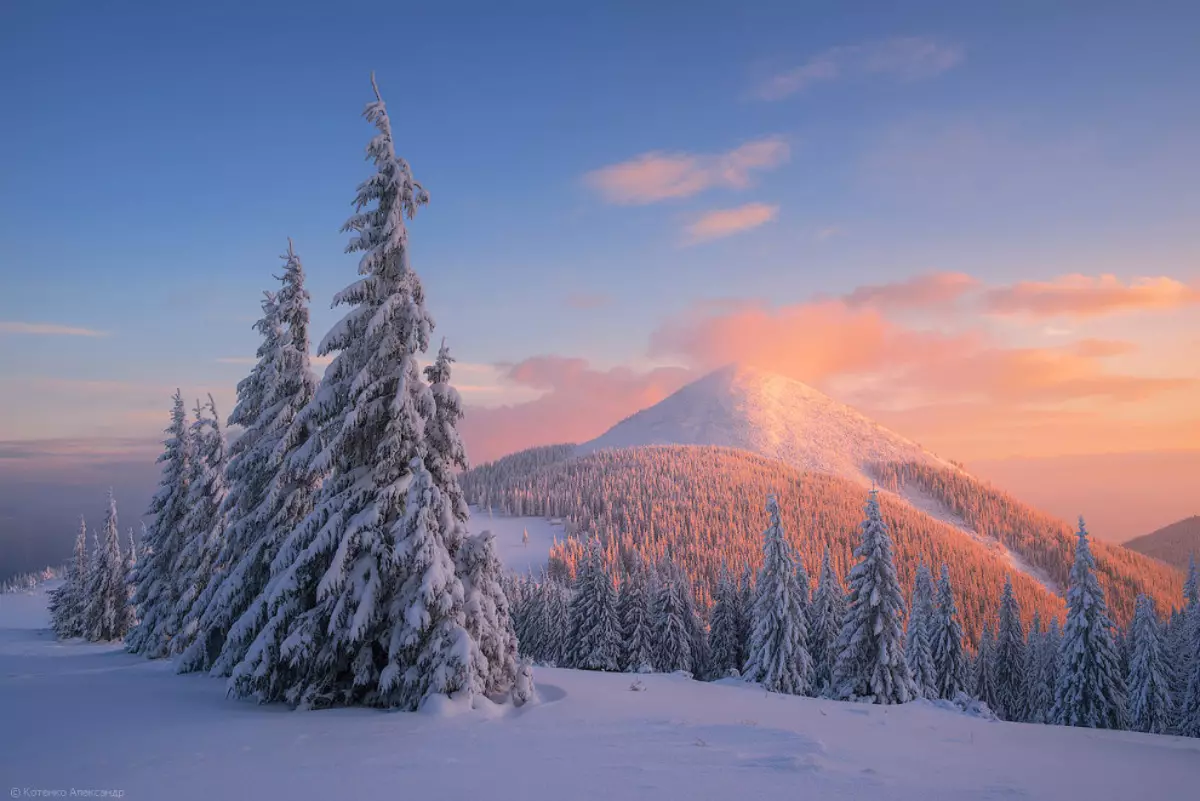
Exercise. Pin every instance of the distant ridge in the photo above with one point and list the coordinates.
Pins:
(1171, 544)
(774, 416)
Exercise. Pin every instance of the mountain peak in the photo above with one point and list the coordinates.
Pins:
(745, 407)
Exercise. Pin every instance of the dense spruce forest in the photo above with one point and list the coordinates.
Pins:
(1041, 539)
(700, 506)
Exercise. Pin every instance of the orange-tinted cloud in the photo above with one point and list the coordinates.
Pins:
(580, 403)
(1086, 296)
(961, 388)
(656, 176)
(727, 222)
(921, 291)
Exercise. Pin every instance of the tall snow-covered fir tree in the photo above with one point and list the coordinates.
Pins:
(671, 638)
(985, 669)
(157, 587)
(1034, 643)
(107, 616)
(1011, 689)
(693, 626)
(595, 639)
(1090, 690)
(267, 496)
(204, 523)
(827, 614)
(1150, 703)
(557, 622)
(633, 611)
(918, 641)
(870, 663)
(949, 658)
(1043, 682)
(68, 601)
(487, 614)
(724, 648)
(779, 657)
(130, 564)
(366, 604)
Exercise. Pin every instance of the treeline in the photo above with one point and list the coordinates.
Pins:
(1041, 539)
(692, 504)
(93, 602)
(865, 642)
(23, 582)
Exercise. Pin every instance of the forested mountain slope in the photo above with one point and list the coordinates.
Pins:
(703, 506)
(1042, 540)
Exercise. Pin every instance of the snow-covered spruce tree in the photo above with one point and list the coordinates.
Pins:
(263, 515)
(1188, 713)
(671, 641)
(870, 664)
(779, 657)
(693, 625)
(595, 639)
(745, 589)
(1042, 684)
(204, 523)
(1011, 690)
(68, 601)
(366, 605)
(1149, 693)
(278, 386)
(949, 658)
(984, 677)
(1033, 656)
(724, 648)
(1091, 690)
(826, 616)
(558, 622)
(487, 614)
(633, 611)
(130, 564)
(156, 584)
(107, 608)
(918, 642)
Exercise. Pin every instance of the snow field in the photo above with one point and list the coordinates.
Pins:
(92, 716)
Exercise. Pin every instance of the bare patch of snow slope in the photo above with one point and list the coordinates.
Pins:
(520, 558)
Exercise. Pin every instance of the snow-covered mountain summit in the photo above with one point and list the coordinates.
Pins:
(747, 408)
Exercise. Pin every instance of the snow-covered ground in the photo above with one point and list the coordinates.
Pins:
(508, 530)
(95, 718)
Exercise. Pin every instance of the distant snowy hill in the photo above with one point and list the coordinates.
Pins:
(771, 415)
(83, 719)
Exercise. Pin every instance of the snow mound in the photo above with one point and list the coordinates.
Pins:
(768, 414)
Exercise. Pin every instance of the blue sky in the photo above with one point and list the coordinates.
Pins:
(155, 160)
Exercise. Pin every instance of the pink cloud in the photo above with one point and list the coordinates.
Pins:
(47, 329)
(921, 291)
(579, 403)
(656, 176)
(727, 222)
(1087, 296)
(906, 58)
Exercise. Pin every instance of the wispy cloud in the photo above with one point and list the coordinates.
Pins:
(727, 222)
(928, 290)
(656, 176)
(1090, 296)
(47, 329)
(905, 58)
